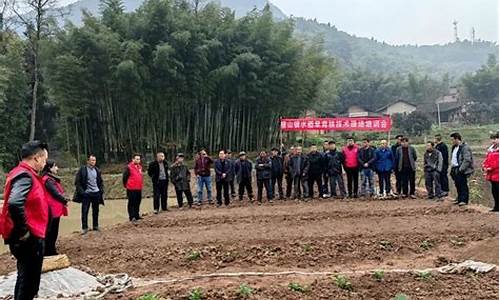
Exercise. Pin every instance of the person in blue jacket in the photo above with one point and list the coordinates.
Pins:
(384, 162)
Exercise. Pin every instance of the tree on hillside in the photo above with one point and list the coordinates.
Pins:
(34, 16)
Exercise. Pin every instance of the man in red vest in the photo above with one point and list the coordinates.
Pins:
(133, 182)
(24, 218)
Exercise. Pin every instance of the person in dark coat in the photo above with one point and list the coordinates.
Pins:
(384, 165)
(315, 173)
(397, 174)
(443, 176)
(406, 158)
(58, 205)
(243, 171)
(433, 166)
(24, 218)
(181, 179)
(326, 181)
(334, 162)
(222, 168)
(298, 168)
(158, 171)
(277, 169)
(288, 175)
(89, 192)
(231, 175)
(462, 167)
(263, 173)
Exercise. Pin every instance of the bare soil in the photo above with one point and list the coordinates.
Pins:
(320, 235)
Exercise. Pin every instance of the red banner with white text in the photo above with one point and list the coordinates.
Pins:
(337, 124)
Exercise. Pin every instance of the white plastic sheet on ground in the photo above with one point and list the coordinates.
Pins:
(66, 282)
(468, 265)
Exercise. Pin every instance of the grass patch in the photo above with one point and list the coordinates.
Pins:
(307, 248)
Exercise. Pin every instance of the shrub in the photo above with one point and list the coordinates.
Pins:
(378, 275)
(196, 294)
(244, 291)
(297, 287)
(343, 282)
(400, 296)
(194, 255)
(148, 297)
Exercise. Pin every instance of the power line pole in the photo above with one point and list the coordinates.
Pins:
(455, 28)
(473, 35)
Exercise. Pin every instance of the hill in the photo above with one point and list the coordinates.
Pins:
(352, 52)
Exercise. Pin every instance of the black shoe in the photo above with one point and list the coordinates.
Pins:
(494, 210)
(96, 229)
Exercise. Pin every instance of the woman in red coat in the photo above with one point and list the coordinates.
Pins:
(57, 205)
(490, 168)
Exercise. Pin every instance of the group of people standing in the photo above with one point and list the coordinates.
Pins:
(34, 199)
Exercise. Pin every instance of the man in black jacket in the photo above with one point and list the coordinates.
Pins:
(89, 191)
(366, 157)
(276, 173)
(334, 163)
(443, 177)
(158, 171)
(298, 168)
(263, 174)
(316, 168)
(243, 173)
(222, 168)
(397, 174)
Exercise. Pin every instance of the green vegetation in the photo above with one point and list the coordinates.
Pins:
(426, 245)
(149, 297)
(400, 296)
(343, 282)
(194, 255)
(244, 291)
(297, 287)
(307, 248)
(424, 275)
(196, 294)
(378, 275)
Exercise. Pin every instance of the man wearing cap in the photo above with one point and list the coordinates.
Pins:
(181, 179)
(243, 172)
(299, 168)
(158, 172)
(25, 216)
(276, 173)
(202, 171)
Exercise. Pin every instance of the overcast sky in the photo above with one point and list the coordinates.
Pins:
(402, 21)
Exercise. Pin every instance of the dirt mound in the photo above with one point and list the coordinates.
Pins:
(321, 235)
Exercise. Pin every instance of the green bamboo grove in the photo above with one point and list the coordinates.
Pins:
(170, 74)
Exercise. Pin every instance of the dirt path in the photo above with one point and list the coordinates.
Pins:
(319, 235)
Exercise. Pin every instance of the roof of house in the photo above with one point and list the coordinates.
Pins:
(443, 107)
(392, 103)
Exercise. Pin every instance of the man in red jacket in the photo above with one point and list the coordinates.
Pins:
(24, 218)
(133, 182)
(351, 166)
